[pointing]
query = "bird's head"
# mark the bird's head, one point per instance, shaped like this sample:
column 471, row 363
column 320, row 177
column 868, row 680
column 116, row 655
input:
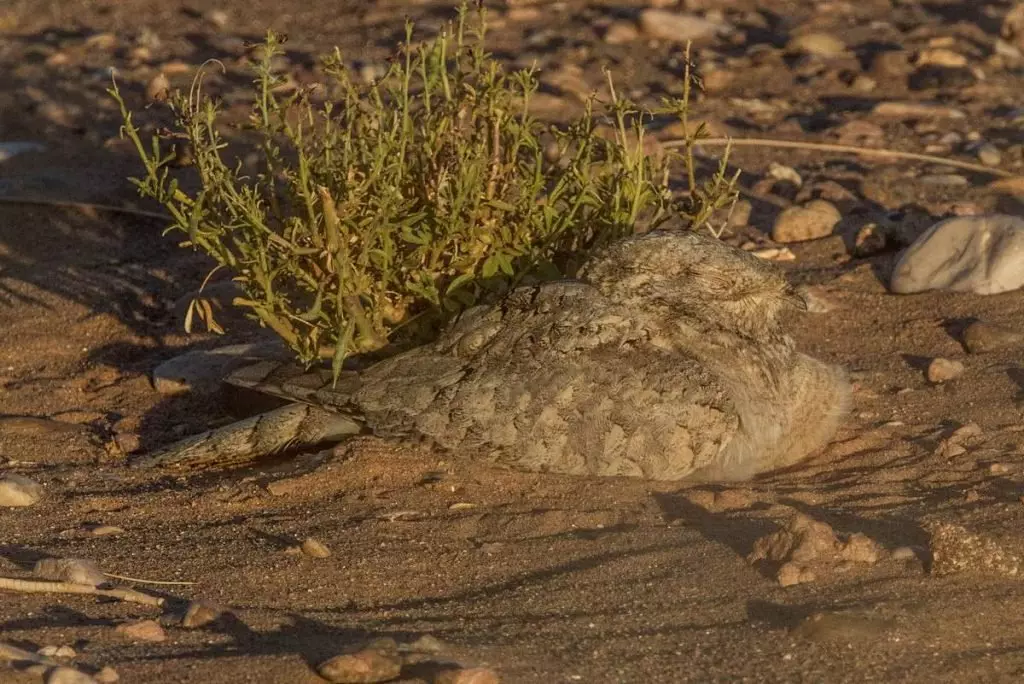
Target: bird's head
column 687, row 275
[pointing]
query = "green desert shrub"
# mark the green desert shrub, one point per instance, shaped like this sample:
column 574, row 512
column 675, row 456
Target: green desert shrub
column 382, row 208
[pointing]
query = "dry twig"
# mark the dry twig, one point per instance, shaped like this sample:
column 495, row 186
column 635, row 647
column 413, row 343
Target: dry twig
column 842, row 149
column 43, row 586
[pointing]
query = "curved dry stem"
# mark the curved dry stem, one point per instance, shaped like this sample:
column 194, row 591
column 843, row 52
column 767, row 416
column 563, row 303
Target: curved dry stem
column 46, row 587
column 843, row 149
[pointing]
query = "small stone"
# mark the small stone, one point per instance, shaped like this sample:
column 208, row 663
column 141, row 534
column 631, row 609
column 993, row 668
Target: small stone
column 218, row 18
column 870, row 239
column 101, row 41
column 158, row 89
column 104, row 530
column 199, row 614
column 784, row 173
column 775, row 254
column 18, row 491
column 1012, row 29
column 68, row 675
column 107, row 675
column 791, row 574
column 989, row 155
column 860, row 132
column 903, row 554
column 315, row 548
column 891, row 64
column 428, row 643
column 817, row 302
column 864, row 83
column 468, row 675
column 620, row 33
column 943, row 370
column 811, row 221
column 943, row 57
column 677, row 27
column 818, row 44
column 979, row 254
column 57, row 652
column 363, row 667
column 999, row 469
column 980, row 337
column 142, row 630
column 72, row 570
column 917, row 110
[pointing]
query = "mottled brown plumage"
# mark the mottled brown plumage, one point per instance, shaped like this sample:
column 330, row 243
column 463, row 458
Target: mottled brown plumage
column 666, row 359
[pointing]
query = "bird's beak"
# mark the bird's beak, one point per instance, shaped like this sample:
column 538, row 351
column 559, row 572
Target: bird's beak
column 798, row 297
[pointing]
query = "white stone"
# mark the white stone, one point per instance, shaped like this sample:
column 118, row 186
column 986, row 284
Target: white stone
column 18, row 491
column 979, row 254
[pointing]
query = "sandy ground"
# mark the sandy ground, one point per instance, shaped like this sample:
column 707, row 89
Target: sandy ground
column 541, row 578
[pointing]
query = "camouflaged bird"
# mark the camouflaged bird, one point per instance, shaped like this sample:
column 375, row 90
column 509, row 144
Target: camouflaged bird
column 665, row 359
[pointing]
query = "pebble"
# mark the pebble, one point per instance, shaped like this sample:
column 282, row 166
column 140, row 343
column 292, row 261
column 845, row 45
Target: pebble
column 775, row 254
column 943, row 370
column 989, row 155
column 57, row 652
column 784, row 173
column 1012, row 29
column 818, row 44
column 427, row 643
column 199, row 614
column 620, row 33
column 860, row 132
column 468, row 675
column 980, row 337
column 891, row 64
column 979, row 254
column 158, row 89
column 816, row 219
column 143, row 630
column 218, row 18
column 107, row 675
column 870, row 239
column 363, row 667
column 315, row 548
column 677, row 27
column 68, row 675
column 943, row 57
column 18, row 491
column 73, row 570
column 917, row 110
column 903, row 553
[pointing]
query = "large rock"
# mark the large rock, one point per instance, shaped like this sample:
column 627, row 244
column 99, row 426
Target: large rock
column 979, row 254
